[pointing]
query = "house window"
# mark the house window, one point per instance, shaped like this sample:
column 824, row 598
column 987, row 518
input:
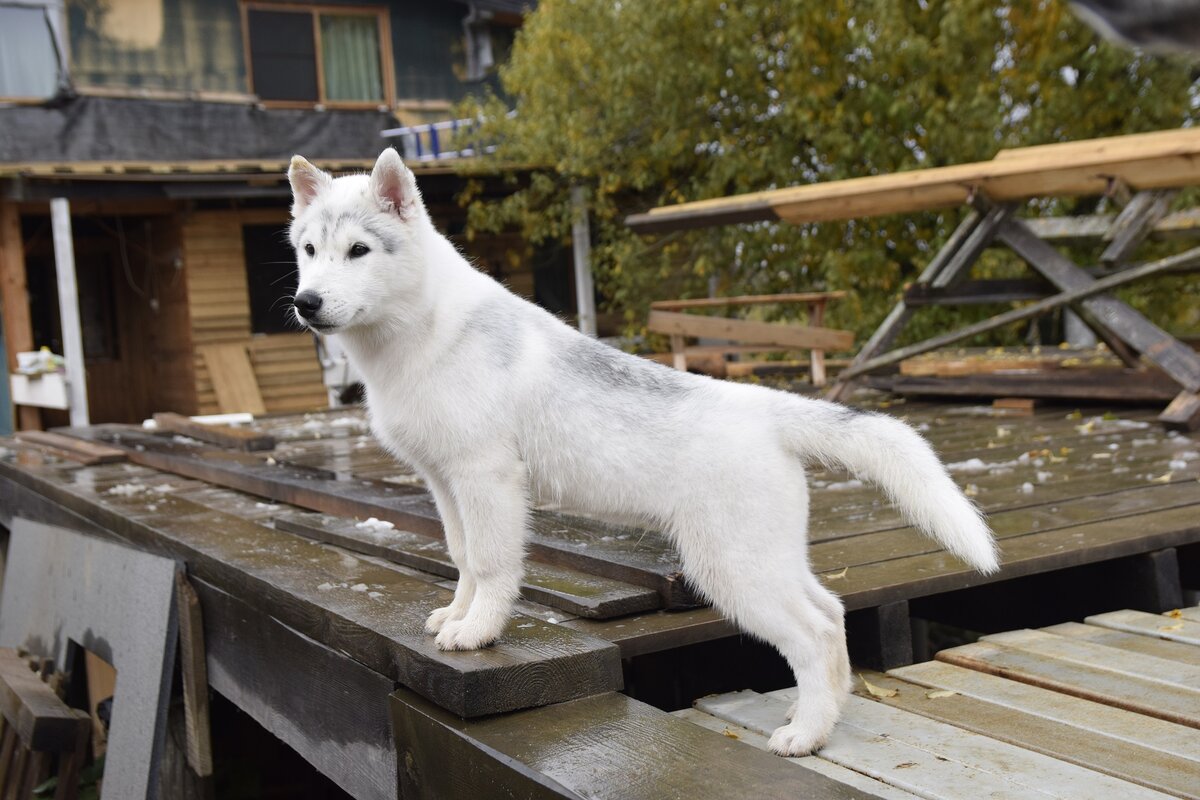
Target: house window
column 329, row 55
column 28, row 57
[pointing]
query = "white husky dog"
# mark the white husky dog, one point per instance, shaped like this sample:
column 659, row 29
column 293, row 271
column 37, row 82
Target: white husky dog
column 500, row 406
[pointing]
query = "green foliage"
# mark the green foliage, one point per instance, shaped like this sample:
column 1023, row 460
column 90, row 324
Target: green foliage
column 647, row 104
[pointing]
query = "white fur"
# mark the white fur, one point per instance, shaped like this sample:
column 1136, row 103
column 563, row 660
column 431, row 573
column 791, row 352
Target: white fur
column 501, row 407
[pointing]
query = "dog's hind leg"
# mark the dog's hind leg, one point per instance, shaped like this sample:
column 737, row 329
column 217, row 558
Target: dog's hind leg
column 493, row 503
column 456, row 544
column 752, row 565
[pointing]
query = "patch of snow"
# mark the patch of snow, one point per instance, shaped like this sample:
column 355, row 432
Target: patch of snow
column 1177, row 463
column 126, row 489
column 1027, row 487
column 851, row 484
column 375, row 595
column 358, row 587
column 324, row 587
column 373, row 524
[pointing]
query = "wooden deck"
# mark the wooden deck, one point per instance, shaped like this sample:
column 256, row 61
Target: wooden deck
column 296, row 578
column 1107, row 708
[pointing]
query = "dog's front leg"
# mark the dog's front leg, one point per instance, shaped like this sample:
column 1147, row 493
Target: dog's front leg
column 492, row 500
column 456, row 543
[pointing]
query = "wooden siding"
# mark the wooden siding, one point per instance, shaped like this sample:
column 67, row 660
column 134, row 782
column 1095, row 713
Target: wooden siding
column 286, row 365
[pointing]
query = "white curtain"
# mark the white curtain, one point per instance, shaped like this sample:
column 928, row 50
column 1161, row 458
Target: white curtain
column 350, row 56
column 28, row 60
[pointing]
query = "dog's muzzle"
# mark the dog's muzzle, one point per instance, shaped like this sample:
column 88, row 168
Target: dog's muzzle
column 307, row 304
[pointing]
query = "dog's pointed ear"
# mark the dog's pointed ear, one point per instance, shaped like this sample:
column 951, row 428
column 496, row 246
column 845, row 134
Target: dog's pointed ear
column 394, row 185
column 307, row 182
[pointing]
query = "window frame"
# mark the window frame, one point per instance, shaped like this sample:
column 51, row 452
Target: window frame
column 57, row 25
column 386, row 66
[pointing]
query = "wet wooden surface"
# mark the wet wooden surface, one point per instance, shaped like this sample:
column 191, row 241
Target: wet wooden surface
column 1073, row 710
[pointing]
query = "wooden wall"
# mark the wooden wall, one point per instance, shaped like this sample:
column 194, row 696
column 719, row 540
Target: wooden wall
column 286, row 365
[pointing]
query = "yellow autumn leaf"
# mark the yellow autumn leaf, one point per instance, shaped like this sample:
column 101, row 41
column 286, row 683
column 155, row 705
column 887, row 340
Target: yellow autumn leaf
column 1162, row 478
column 940, row 693
column 878, row 691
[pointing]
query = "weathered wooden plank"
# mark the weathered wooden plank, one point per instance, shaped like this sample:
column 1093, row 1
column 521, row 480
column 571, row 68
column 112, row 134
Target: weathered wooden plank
column 1089, row 228
column 233, row 378
column 1092, row 682
column 558, row 587
column 603, row 747
column 1137, row 764
column 72, row 448
column 557, row 539
column 220, row 435
column 814, row 763
column 32, row 709
column 745, row 300
column 978, row 292
column 958, row 265
column 1183, row 413
column 1175, row 630
column 928, row 758
column 1111, row 659
column 328, row 707
column 1132, row 642
column 370, row 612
column 934, row 573
column 1134, row 224
column 750, row 331
column 658, row 630
column 194, row 677
column 1089, row 385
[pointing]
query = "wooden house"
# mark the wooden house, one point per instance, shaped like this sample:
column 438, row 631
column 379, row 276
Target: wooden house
column 166, row 126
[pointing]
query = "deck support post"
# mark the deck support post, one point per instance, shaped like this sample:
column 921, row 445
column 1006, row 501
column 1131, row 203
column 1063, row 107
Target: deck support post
column 880, row 638
column 1156, row 583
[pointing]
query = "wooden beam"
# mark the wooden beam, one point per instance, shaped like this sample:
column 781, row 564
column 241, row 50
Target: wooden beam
column 1101, row 385
column 982, row 292
column 1190, row 257
column 1183, row 414
column 750, row 331
column 233, row 378
column 1167, row 161
column 958, row 265
column 72, row 448
column 220, row 435
column 14, row 303
column 1180, row 225
column 744, row 300
column 1134, row 224
column 1175, row 358
column 194, row 672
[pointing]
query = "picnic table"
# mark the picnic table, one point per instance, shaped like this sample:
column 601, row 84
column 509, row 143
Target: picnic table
column 1141, row 173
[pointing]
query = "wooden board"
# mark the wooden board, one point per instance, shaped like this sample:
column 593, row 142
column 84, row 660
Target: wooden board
column 924, row 756
column 233, row 378
column 572, row 591
column 72, row 448
column 370, row 612
column 220, row 435
column 750, row 331
column 746, row 300
column 604, row 747
column 1073, row 741
column 1149, row 645
column 1092, row 681
column 1176, row 630
column 1143, row 163
column 32, row 709
column 1106, row 385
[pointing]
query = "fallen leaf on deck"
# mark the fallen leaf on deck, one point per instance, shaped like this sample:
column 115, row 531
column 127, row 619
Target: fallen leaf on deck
column 1175, row 613
column 1178, row 626
column 878, row 691
column 1162, row 478
column 940, row 693
column 906, row 765
column 833, row 576
column 730, row 734
column 1076, row 414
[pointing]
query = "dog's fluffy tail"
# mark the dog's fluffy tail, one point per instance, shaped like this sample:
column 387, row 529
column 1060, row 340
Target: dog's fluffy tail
column 890, row 454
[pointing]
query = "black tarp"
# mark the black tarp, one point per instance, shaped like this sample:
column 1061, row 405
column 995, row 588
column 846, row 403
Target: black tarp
column 111, row 129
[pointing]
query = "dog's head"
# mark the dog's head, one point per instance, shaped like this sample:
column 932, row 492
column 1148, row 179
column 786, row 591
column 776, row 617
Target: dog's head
column 358, row 242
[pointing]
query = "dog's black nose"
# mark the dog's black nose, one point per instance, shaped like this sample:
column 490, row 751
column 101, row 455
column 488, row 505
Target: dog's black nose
column 307, row 304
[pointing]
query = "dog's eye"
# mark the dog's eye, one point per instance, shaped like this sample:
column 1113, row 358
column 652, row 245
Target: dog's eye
column 359, row 249
column 308, row 248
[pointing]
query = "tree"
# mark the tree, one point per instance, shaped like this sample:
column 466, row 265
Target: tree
column 646, row 104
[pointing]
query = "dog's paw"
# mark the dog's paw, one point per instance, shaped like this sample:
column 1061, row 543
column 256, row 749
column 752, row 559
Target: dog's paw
column 465, row 635
column 795, row 739
column 438, row 619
